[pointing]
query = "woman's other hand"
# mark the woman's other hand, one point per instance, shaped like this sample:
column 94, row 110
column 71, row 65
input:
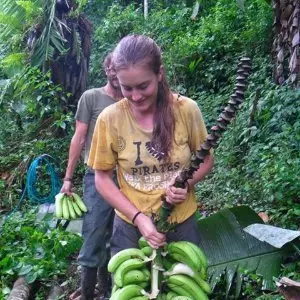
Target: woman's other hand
column 176, row 195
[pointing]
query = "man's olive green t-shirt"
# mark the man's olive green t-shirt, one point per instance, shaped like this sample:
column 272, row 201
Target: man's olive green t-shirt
column 90, row 105
column 120, row 141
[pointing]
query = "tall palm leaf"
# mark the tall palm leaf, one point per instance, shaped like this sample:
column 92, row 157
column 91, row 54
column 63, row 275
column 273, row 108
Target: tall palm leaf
column 231, row 251
column 52, row 37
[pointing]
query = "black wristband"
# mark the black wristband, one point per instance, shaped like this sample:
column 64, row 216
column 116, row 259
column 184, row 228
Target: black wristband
column 68, row 179
column 135, row 216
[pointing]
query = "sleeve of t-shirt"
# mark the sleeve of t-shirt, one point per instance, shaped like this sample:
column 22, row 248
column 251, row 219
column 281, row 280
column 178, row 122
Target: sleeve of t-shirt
column 84, row 108
column 197, row 129
column 102, row 156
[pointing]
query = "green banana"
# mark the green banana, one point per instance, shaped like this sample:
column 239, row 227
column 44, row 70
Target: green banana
column 65, row 208
column 183, row 252
column 171, row 295
column 180, row 268
column 126, row 266
column 58, row 205
column 122, row 256
column 162, row 296
column 114, row 289
column 147, row 250
column 179, row 290
column 202, row 257
column 77, row 210
column 140, row 298
column 128, row 292
column 168, row 262
column 79, row 202
column 115, row 294
column 134, row 276
column 143, row 284
column 142, row 242
column 188, row 285
column 182, row 298
column 146, row 273
column 71, row 209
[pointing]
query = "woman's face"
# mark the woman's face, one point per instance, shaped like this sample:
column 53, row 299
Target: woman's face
column 139, row 85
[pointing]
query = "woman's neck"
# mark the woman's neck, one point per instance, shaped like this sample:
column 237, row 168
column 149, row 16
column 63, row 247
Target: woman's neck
column 144, row 118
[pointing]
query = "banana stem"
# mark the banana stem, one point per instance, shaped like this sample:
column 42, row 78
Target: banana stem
column 228, row 113
column 156, row 268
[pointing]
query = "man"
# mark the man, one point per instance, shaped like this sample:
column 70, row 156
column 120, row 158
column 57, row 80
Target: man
column 98, row 220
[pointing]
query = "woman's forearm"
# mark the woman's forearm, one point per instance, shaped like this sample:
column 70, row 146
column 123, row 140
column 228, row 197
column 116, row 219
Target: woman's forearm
column 110, row 192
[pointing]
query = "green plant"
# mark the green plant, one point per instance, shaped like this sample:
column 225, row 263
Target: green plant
column 34, row 249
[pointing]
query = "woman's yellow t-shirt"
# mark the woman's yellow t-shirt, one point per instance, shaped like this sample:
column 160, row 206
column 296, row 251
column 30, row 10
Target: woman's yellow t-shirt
column 119, row 141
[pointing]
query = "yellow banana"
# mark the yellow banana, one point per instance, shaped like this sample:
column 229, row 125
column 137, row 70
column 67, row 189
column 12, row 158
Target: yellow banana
column 77, row 210
column 58, row 205
column 65, row 208
column 79, row 202
column 71, row 209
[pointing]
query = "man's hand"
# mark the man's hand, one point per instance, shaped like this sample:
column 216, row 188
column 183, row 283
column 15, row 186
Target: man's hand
column 66, row 188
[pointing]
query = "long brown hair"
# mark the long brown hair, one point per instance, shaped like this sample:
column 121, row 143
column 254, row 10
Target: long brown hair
column 134, row 49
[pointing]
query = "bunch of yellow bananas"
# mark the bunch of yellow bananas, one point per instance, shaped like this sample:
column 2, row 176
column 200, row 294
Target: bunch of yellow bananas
column 69, row 206
column 183, row 276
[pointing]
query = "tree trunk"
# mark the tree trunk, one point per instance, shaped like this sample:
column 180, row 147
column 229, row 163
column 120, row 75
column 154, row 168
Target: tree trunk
column 286, row 46
column 20, row 290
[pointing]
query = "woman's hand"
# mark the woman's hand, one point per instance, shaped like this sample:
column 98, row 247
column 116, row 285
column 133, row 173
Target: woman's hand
column 176, row 195
column 149, row 232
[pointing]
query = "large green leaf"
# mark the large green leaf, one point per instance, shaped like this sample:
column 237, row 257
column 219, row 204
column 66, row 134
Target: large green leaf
column 231, row 251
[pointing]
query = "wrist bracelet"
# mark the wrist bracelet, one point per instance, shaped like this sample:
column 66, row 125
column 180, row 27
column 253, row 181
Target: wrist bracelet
column 67, row 179
column 135, row 216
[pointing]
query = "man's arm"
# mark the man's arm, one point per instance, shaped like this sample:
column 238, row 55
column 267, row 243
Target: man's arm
column 76, row 147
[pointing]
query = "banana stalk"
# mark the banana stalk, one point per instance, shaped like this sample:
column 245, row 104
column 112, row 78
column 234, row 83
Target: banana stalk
column 244, row 68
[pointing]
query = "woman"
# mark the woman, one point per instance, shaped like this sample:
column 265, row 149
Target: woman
column 149, row 136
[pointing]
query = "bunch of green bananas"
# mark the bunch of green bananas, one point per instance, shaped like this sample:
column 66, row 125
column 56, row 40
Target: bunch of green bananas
column 131, row 274
column 69, row 206
column 184, row 276
column 186, row 272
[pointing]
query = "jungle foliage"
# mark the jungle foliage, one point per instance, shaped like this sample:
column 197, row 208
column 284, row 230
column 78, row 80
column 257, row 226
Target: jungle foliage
column 257, row 160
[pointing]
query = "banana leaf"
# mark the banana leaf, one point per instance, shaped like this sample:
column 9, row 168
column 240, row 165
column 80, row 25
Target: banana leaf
column 231, row 251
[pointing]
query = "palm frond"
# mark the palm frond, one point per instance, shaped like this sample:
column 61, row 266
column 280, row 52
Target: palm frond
column 51, row 38
column 231, row 251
